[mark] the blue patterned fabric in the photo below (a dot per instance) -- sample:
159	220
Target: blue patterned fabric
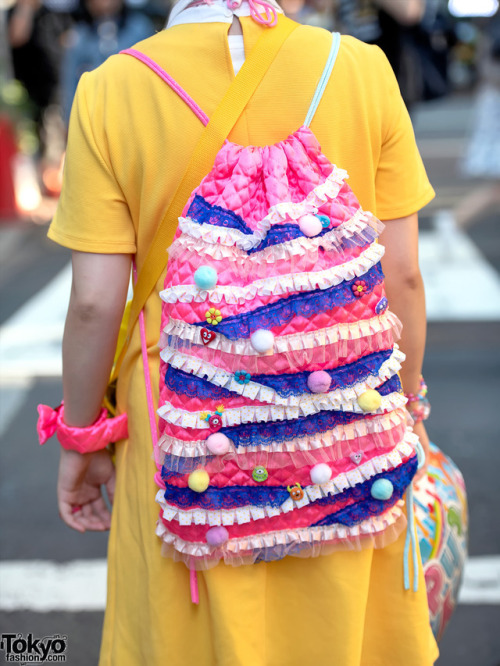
258	434
367	506
305	304
285	385
202	212
232	497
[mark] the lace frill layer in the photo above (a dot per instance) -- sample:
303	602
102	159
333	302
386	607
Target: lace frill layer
259	392
376	531
336	486
279	285
330	446
189	333
251	414
221	243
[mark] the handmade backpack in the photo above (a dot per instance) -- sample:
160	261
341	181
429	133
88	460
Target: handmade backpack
282	421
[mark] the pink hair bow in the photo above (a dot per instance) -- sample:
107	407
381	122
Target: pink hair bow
92	438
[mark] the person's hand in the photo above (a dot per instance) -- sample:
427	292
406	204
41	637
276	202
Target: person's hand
79	489
419	429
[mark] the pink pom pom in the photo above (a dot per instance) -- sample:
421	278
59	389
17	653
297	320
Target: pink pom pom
218	444
216	536
310	225
319	382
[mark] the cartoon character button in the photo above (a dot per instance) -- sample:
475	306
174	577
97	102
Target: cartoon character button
207	336
296	492
259	474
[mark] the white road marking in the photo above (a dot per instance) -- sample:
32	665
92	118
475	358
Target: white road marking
12	397
30	341
42	586
460	285
80	585
481	583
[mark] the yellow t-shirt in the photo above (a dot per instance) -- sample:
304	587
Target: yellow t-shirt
130	140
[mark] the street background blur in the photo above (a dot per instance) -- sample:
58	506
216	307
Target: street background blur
52	580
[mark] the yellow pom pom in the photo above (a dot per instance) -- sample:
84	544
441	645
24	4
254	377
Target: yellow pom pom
199	480
370	400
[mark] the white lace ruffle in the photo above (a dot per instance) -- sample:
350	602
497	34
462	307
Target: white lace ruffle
282	284
317	197
284	343
242	515
334	443
377	531
253	414
230	244
261	393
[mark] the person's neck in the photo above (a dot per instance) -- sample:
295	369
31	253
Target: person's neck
235	27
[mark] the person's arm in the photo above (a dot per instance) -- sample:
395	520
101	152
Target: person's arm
405	12
405	293
98	294
22	22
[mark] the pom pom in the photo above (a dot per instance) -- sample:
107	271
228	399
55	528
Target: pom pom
382	489
321	473
205	277
319	382
218	444
310	225
370	400
262	341
216	536
199	480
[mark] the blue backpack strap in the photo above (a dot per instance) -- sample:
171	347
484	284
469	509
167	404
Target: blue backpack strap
320	88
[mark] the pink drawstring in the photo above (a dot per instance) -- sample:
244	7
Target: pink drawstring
193	579
271	14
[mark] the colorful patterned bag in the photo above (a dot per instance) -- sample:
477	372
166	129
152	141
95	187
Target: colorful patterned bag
283	428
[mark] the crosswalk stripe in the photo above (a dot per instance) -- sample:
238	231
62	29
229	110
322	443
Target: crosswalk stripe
80	585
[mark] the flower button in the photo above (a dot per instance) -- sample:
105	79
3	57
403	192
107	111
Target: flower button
242	377
359	288
213	316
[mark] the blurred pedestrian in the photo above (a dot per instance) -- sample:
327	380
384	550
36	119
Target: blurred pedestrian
482	156
131	137
103	28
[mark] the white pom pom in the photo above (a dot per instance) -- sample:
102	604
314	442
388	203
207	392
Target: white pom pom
262	341
321	473
310	225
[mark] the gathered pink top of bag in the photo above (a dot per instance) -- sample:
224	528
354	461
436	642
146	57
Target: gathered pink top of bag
282	425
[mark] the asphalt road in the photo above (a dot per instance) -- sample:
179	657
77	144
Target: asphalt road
462	369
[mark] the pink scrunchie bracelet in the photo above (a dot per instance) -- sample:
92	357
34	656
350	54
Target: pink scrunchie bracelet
97	436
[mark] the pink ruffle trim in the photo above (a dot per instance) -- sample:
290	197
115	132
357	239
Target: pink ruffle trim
377	532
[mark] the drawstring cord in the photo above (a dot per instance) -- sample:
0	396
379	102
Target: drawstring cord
410	530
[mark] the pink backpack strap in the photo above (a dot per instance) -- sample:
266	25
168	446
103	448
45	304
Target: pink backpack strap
170	81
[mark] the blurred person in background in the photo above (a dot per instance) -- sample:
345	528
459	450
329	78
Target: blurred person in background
482	156
414	36
103	27
34	31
